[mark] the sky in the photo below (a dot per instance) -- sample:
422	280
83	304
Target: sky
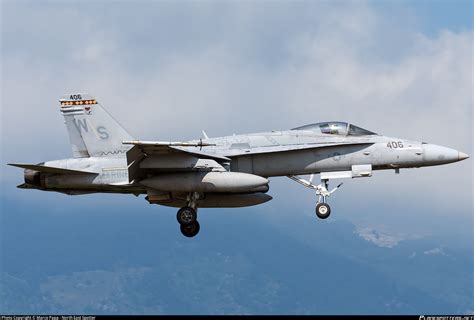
167	71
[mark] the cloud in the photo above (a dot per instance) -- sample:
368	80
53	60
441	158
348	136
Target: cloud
435	251
379	238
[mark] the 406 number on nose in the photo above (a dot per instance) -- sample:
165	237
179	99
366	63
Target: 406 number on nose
394	144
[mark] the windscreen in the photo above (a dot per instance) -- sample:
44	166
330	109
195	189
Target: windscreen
336	128
357	131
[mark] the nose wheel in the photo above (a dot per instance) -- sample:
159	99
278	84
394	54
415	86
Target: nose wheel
187	217
323	210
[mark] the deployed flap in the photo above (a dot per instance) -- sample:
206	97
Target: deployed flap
51	170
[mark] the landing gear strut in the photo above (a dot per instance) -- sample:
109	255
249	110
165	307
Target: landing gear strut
323	210
187	216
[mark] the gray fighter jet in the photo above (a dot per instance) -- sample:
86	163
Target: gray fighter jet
230	171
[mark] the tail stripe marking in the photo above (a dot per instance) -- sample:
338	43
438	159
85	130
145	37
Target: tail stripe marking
66	104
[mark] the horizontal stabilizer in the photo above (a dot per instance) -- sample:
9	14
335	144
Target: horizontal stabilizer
52	170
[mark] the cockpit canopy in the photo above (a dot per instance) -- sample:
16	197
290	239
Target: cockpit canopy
336	128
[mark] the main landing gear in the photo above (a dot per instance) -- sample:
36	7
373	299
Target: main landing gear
323	210
187	217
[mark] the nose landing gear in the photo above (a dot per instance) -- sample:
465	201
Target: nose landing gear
187	217
323	210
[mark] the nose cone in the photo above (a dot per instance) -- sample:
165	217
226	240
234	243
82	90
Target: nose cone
462	156
434	155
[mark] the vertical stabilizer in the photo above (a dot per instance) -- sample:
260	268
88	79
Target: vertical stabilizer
93	132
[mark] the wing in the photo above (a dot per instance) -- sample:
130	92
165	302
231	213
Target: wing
51	170
158	156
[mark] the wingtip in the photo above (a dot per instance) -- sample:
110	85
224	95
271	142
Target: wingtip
18	165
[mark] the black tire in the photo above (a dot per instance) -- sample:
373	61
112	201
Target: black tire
186	215
190	230
323	210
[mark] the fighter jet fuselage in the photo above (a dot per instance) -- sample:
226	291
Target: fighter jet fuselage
230	171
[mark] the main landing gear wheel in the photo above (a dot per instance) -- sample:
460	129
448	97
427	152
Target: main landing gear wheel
190	230
186	215
323	210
